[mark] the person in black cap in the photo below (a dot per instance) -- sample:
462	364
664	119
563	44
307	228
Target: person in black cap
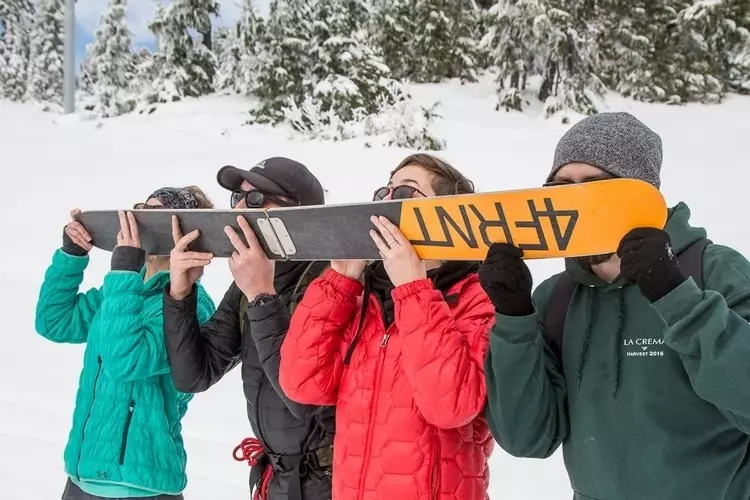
291	454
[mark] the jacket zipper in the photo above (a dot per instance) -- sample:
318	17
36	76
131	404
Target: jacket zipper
257	413
373	413
435	472
129	418
88	414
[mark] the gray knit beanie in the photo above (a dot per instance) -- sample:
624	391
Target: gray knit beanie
617	143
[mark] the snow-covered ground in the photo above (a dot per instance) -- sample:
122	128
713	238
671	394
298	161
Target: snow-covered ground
50	164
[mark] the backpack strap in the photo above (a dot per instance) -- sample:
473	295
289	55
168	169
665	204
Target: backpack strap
691	260
557	310
691	264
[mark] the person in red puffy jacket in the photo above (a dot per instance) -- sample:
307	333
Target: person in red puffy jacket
402	358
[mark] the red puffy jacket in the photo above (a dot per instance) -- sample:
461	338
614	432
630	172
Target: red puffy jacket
409	422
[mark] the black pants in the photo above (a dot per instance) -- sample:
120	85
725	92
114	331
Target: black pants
73	492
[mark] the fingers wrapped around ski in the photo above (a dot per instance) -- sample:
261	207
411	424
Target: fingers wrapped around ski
181	258
128	235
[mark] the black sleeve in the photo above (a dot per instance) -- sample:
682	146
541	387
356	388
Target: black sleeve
199	356
268	326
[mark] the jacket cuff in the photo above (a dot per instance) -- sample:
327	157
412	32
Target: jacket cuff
401	292
128	259
265	311
516	329
678	303
190	300
342	284
72	263
72	248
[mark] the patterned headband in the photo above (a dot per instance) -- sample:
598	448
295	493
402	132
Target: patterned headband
175	198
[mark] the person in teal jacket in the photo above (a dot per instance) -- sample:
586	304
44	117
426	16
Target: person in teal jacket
125	440
650	398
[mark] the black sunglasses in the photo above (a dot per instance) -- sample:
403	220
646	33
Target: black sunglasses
567	182
146	206
402	192
256	199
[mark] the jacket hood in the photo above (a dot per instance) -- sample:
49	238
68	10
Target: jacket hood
681	234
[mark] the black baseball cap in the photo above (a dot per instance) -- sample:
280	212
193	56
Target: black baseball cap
277	175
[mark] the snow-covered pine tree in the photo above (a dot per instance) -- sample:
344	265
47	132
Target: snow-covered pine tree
16	18
238	56
443	44
111	63
552	39
46	55
350	79
677	50
185	67
225	49
432	41
392	32
713	42
480	34
571	58
637	60
516	47
465	53
284	63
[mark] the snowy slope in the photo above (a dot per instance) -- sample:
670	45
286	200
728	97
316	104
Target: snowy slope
53	163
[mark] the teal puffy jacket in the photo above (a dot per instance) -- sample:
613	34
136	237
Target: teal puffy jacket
126	423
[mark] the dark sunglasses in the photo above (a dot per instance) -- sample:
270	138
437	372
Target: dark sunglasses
402	192
566	182
256	199
146	206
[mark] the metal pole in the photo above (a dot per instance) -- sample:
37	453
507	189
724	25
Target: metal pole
69	67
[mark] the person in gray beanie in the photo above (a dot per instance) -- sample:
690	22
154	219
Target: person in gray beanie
648	390
616	143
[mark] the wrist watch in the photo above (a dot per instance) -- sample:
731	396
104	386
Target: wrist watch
261	299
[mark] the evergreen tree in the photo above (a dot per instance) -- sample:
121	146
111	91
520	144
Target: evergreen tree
540	38
16	17
284	63
443	43
713	43
516	44
111	63
571	58
238	55
393	32
349	77
676	50
465	54
432	41
46	54
637	59
185	67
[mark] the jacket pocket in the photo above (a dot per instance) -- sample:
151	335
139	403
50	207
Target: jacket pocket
125	432
436	468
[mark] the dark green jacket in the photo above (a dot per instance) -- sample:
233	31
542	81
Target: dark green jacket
652	400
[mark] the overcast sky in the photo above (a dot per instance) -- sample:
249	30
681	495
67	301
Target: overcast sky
140	12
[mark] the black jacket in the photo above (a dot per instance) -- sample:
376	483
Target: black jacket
293	435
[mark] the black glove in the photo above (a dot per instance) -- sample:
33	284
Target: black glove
72	248
647	258
507	280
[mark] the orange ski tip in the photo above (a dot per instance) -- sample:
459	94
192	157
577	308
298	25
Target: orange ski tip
546	222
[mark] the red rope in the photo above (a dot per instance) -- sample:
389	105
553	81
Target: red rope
252	449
